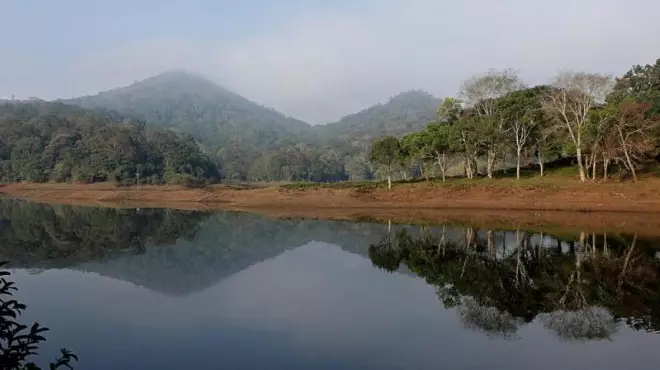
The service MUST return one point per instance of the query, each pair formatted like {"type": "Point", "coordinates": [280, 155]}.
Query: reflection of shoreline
{"type": "Point", "coordinates": [558, 222]}
{"type": "Point", "coordinates": [564, 205]}
{"type": "Point", "coordinates": [581, 288]}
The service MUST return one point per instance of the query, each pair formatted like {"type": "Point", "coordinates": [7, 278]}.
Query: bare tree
{"type": "Point", "coordinates": [522, 129]}
{"type": "Point", "coordinates": [573, 96]}
{"type": "Point", "coordinates": [480, 92]}
{"type": "Point", "coordinates": [631, 132]}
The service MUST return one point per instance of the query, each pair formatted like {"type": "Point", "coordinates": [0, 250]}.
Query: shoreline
{"type": "Point", "coordinates": [620, 207]}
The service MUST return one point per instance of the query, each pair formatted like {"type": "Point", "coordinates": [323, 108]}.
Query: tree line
{"type": "Point", "coordinates": [41, 141]}
{"type": "Point", "coordinates": [498, 122]}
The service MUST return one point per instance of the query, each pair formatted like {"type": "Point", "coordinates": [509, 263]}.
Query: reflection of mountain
{"type": "Point", "coordinates": [169, 251]}
{"type": "Point", "coordinates": [225, 244]}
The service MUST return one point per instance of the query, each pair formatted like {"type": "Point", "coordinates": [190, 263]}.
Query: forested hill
{"type": "Point", "coordinates": [406, 112]}
{"type": "Point", "coordinates": [42, 141]}
{"type": "Point", "coordinates": [252, 142]}
{"type": "Point", "coordinates": [192, 104]}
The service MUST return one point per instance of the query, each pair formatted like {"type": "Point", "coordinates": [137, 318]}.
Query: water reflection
{"type": "Point", "coordinates": [173, 289]}
{"type": "Point", "coordinates": [580, 288]}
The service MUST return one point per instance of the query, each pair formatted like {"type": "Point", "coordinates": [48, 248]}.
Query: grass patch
{"type": "Point", "coordinates": [555, 178]}
{"type": "Point", "coordinates": [359, 185]}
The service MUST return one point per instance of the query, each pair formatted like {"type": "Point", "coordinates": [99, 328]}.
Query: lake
{"type": "Point", "coordinates": [173, 289]}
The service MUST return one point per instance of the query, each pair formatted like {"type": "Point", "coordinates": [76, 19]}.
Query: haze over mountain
{"type": "Point", "coordinates": [406, 112]}
{"type": "Point", "coordinates": [190, 103]}
{"type": "Point", "coordinates": [255, 142]}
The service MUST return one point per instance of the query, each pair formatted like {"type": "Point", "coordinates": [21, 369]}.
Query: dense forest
{"type": "Point", "coordinates": [180, 128]}
{"type": "Point", "coordinates": [498, 122]}
{"type": "Point", "coordinates": [41, 141]}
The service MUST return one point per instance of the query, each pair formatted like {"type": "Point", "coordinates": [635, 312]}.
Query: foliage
{"type": "Point", "coordinates": [17, 342]}
{"type": "Point", "coordinates": [641, 84]}
{"type": "Point", "coordinates": [42, 141]}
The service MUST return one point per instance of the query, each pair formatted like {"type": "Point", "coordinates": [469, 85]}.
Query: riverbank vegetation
{"type": "Point", "coordinates": [589, 119]}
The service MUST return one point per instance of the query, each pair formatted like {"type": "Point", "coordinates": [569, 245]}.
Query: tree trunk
{"type": "Point", "coordinates": [541, 163]}
{"type": "Point", "coordinates": [578, 154]}
{"type": "Point", "coordinates": [490, 163]}
{"type": "Point", "coordinates": [606, 163]}
{"type": "Point", "coordinates": [468, 167]}
{"type": "Point", "coordinates": [628, 160]}
{"type": "Point", "coordinates": [442, 158]}
{"type": "Point", "coordinates": [389, 178]}
{"type": "Point", "coordinates": [518, 165]}
{"type": "Point", "coordinates": [593, 166]}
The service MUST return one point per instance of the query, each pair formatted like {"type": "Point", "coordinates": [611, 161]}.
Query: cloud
{"type": "Point", "coordinates": [318, 67]}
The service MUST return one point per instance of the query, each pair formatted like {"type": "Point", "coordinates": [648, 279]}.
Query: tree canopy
{"type": "Point", "coordinates": [42, 141]}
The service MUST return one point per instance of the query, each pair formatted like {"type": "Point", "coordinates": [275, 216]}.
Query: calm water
{"type": "Point", "coordinates": [168, 289]}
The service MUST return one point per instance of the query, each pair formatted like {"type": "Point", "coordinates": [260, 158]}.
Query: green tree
{"type": "Point", "coordinates": [524, 121]}
{"type": "Point", "coordinates": [641, 84]}
{"type": "Point", "coordinates": [438, 142]}
{"type": "Point", "coordinates": [387, 152]}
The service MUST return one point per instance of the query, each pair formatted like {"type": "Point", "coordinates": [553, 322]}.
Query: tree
{"type": "Point", "coordinates": [415, 147]}
{"type": "Point", "coordinates": [450, 110]}
{"type": "Point", "coordinates": [468, 135]}
{"type": "Point", "coordinates": [480, 93]}
{"type": "Point", "coordinates": [641, 84]}
{"type": "Point", "coordinates": [524, 120]}
{"type": "Point", "coordinates": [631, 131]}
{"type": "Point", "coordinates": [439, 142]}
{"type": "Point", "coordinates": [570, 102]}
{"type": "Point", "coordinates": [387, 152]}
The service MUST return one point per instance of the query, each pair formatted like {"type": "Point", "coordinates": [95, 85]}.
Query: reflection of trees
{"type": "Point", "coordinates": [588, 323]}
{"type": "Point", "coordinates": [42, 236]}
{"type": "Point", "coordinates": [579, 288]}
{"type": "Point", "coordinates": [386, 254]}
{"type": "Point", "coordinates": [490, 320]}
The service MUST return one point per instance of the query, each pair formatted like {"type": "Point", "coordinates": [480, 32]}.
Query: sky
{"type": "Point", "coordinates": [315, 60]}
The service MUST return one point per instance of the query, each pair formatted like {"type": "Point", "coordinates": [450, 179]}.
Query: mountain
{"type": "Point", "coordinates": [252, 142]}
{"type": "Point", "coordinates": [189, 103]}
{"type": "Point", "coordinates": [406, 112]}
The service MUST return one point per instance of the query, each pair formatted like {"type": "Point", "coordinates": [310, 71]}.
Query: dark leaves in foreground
{"type": "Point", "coordinates": [18, 342]}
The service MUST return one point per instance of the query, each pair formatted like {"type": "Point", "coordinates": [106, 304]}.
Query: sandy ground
{"type": "Point", "coordinates": [616, 207]}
